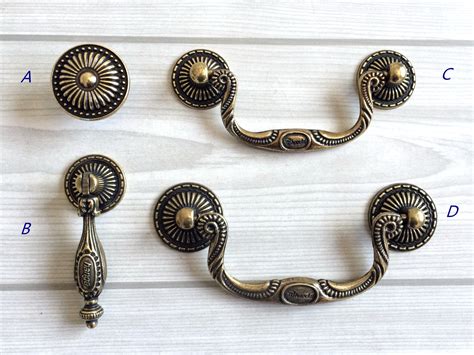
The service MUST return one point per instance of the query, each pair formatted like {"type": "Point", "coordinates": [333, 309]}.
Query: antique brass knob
{"type": "Point", "coordinates": [94, 184]}
{"type": "Point", "coordinates": [202, 79]}
{"type": "Point", "coordinates": [188, 217]}
{"type": "Point", "coordinates": [90, 82]}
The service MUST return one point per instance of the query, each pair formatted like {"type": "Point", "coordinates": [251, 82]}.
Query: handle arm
{"type": "Point", "coordinates": [296, 139]}
{"type": "Point", "coordinates": [297, 290]}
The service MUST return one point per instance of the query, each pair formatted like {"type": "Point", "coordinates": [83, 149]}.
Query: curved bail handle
{"type": "Point", "coordinates": [202, 79]}
{"type": "Point", "coordinates": [189, 217]}
{"type": "Point", "coordinates": [297, 290]}
{"type": "Point", "coordinates": [90, 270]}
{"type": "Point", "coordinates": [296, 139]}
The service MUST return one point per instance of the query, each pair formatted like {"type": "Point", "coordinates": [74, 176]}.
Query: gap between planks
{"type": "Point", "coordinates": [237, 41]}
{"type": "Point", "coordinates": [209, 283]}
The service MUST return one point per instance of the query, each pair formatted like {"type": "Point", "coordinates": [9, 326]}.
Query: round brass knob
{"type": "Point", "coordinates": [90, 82]}
{"type": "Point", "coordinates": [400, 82]}
{"type": "Point", "coordinates": [191, 75]}
{"type": "Point", "coordinates": [176, 213]}
{"type": "Point", "coordinates": [417, 209]}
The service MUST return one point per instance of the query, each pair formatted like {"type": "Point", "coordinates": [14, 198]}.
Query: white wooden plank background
{"type": "Point", "coordinates": [288, 214]}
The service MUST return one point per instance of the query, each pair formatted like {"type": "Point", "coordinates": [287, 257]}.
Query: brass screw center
{"type": "Point", "coordinates": [199, 73]}
{"type": "Point", "coordinates": [397, 72]}
{"type": "Point", "coordinates": [185, 218]}
{"type": "Point", "coordinates": [88, 79]}
{"type": "Point", "coordinates": [416, 218]}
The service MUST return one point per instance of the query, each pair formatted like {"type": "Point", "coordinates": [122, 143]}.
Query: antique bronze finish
{"type": "Point", "coordinates": [417, 210]}
{"type": "Point", "coordinates": [90, 82]}
{"type": "Point", "coordinates": [202, 79]}
{"type": "Point", "coordinates": [94, 184]}
{"type": "Point", "coordinates": [188, 217]}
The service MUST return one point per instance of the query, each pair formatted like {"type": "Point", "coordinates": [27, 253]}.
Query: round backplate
{"type": "Point", "coordinates": [197, 95]}
{"type": "Point", "coordinates": [187, 195]}
{"type": "Point", "coordinates": [90, 82]}
{"type": "Point", "coordinates": [399, 198]}
{"type": "Point", "coordinates": [391, 95]}
{"type": "Point", "coordinates": [111, 181]}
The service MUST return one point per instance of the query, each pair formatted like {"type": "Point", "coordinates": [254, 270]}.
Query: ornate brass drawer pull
{"type": "Point", "coordinates": [90, 82]}
{"type": "Point", "coordinates": [94, 184]}
{"type": "Point", "coordinates": [188, 217]}
{"type": "Point", "coordinates": [202, 79]}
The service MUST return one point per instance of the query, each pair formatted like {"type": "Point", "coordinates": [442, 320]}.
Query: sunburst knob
{"type": "Point", "coordinates": [177, 213]}
{"type": "Point", "coordinates": [400, 74]}
{"type": "Point", "coordinates": [415, 207]}
{"type": "Point", "coordinates": [191, 75]}
{"type": "Point", "coordinates": [90, 82]}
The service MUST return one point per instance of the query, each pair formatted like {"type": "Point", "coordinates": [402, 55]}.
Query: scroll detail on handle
{"type": "Point", "coordinates": [296, 139]}
{"type": "Point", "coordinates": [297, 290]}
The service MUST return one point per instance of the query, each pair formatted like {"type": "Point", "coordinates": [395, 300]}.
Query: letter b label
{"type": "Point", "coordinates": [26, 228]}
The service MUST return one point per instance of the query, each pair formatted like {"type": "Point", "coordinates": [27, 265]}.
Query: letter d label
{"type": "Point", "coordinates": [453, 211]}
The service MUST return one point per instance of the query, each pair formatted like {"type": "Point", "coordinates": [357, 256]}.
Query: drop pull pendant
{"type": "Point", "coordinates": [94, 184]}
{"type": "Point", "coordinates": [202, 79]}
{"type": "Point", "coordinates": [188, 217]}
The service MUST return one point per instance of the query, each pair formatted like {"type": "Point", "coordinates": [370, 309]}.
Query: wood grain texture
{"type": "Point", "coordinates": [151, 320]}
{"type": "Point", "coordinates": [289, 215]}
{"type": "Point", "coordinates": [241, 20]}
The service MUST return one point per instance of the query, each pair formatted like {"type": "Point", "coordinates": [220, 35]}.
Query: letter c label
{"type": "Point", "coordinates": [445, 72]}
